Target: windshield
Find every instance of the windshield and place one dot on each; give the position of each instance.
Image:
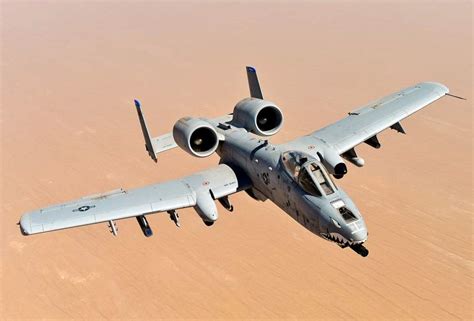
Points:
(322, 179)
(307, 183)
(308, 173)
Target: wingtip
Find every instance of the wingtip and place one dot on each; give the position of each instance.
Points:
(25, 224)
(251, 69)
(439, 86)
(137, 103)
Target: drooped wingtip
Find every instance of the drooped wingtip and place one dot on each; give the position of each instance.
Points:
(25, 224)
(137, 103)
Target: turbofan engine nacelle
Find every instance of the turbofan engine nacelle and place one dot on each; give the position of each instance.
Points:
(334, 163)
(259, 116)
(195, 136)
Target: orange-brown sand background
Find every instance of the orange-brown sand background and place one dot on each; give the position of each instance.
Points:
(70, 72)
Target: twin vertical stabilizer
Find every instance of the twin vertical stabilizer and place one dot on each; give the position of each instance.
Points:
(162, 143)
(254, 86)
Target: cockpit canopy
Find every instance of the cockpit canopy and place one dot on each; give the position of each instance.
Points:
(308, 173)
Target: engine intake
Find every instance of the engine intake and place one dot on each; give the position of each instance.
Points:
(195, 136)
(261, 117)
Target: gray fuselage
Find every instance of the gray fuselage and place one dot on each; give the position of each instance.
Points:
(262, 163)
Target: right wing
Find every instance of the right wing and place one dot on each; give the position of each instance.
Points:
(198, 190)
(364, 123)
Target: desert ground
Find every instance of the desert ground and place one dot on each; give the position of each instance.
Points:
(69, 74)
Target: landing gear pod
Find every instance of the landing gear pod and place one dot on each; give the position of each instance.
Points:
(206, 208)
(146, 229)
(352, 157)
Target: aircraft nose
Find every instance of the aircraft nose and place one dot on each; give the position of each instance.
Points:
(360, 235)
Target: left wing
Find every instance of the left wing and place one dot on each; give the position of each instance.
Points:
(198, 190)
(364, 123)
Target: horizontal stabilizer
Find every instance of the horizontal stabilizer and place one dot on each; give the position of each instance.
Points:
(157, 144)
(163, 143)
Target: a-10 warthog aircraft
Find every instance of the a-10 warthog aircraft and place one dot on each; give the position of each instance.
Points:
(296, 175)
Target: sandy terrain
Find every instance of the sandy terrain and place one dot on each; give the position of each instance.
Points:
(68, 126)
